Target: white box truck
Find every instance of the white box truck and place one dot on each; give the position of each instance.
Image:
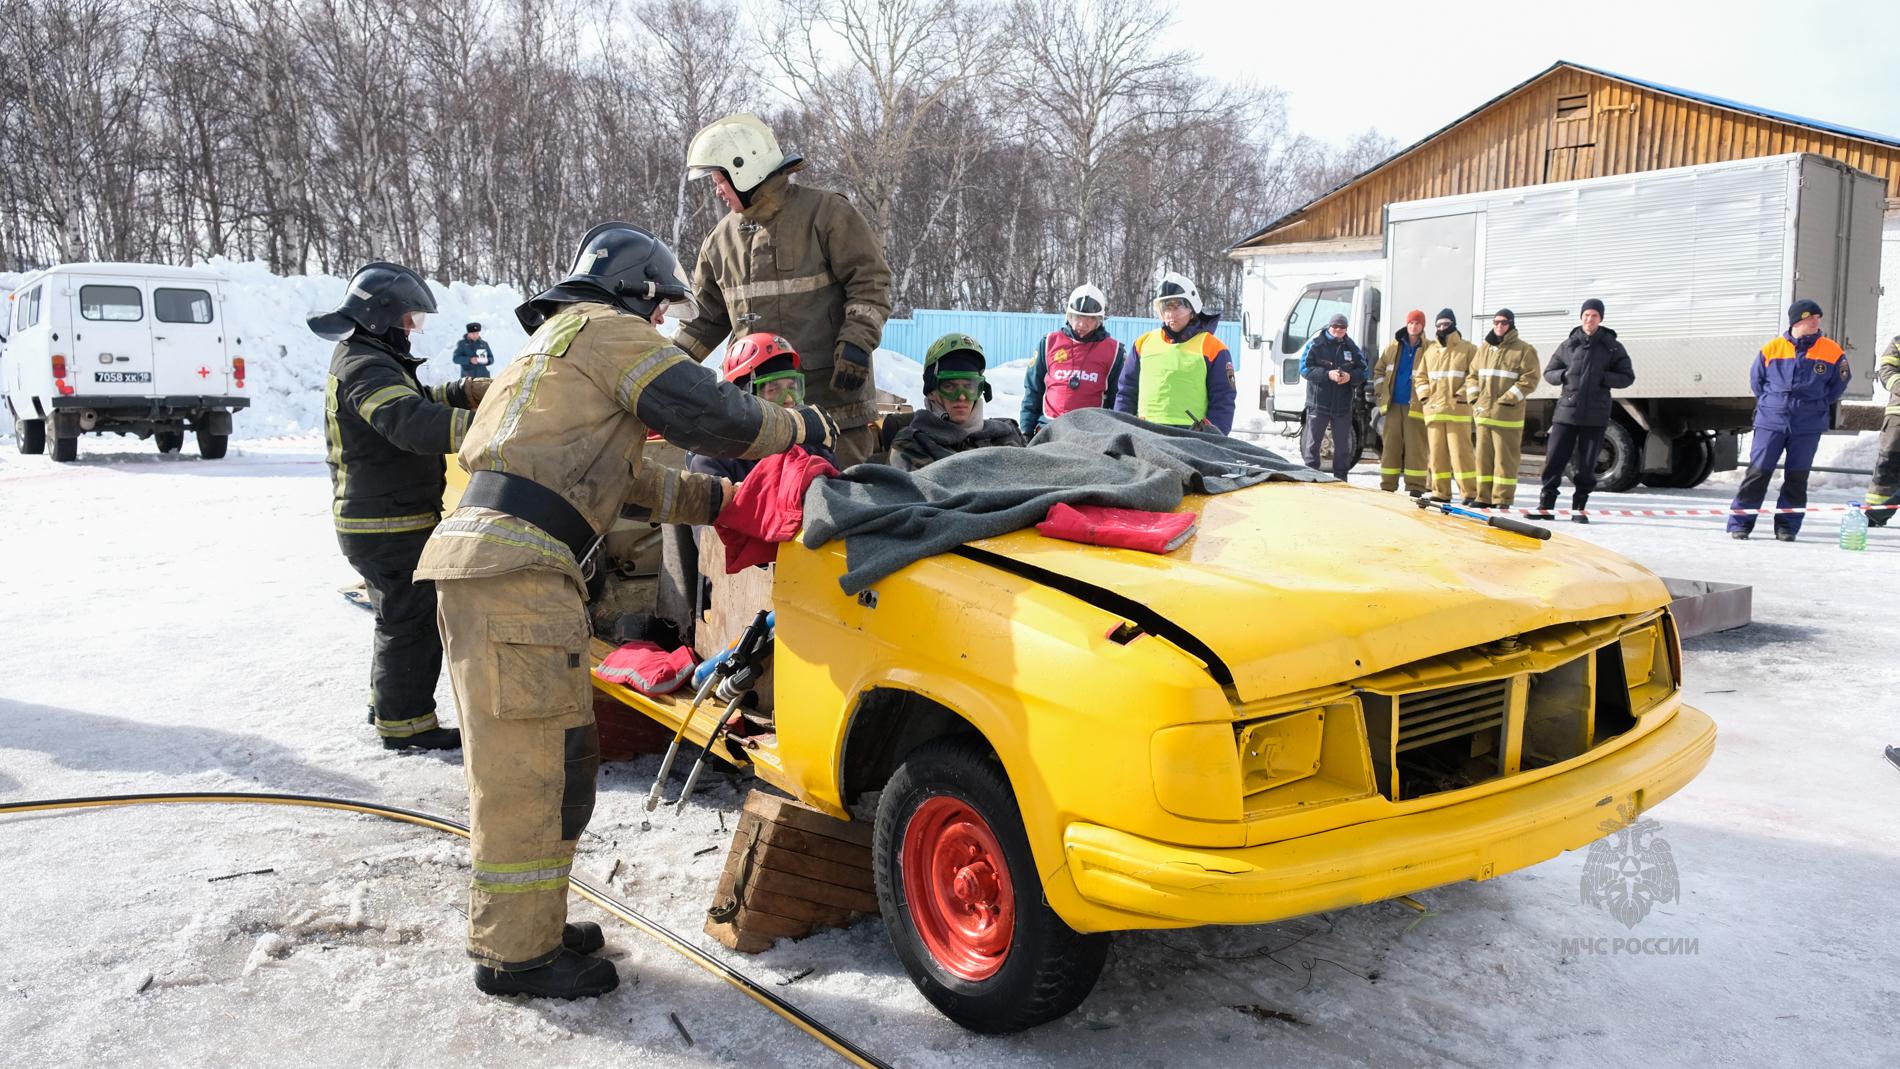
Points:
(1697, 266)
(127, 348)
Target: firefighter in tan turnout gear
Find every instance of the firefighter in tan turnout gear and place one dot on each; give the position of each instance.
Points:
(1438, 388)
(793, 261)
(1503, 374)
(554, 455)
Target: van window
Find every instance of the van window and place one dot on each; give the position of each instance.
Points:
(1311, 312)
(28, 314)
(181, 306)
(112, 304)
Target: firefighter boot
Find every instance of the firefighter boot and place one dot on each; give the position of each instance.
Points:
(582, 937)
(432, 739)
(568, 976)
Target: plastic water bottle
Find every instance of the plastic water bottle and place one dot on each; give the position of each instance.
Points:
(1854, 527)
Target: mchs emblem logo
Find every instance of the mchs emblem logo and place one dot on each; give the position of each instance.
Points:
(1630, 871)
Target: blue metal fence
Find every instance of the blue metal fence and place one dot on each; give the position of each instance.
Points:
(1008, 336)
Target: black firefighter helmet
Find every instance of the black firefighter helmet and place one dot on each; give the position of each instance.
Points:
(618, 263)
(378, 297)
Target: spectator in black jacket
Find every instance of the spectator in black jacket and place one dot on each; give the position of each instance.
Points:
(472, 354)
(1333, 367)
(1588, 365)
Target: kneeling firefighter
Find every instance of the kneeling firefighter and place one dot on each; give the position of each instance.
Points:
(386, 434)
(553, 458)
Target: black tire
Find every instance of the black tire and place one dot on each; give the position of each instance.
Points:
(65, 450)
(1691, 460)
(30, 436)
(1620, 465)
(1046, 968)
(212, 446)
(169, 441)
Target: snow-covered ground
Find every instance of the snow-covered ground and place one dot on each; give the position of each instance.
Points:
(173, 625)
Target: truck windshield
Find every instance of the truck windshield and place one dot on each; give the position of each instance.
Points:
(112, 304)
(1311, 312)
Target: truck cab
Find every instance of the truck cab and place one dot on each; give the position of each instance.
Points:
(137, 349)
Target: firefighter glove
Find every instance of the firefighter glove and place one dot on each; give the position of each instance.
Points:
(474, 390)
(851, 368)
(819, 428)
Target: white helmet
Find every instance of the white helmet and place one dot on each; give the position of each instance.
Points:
(1175, 286)
(739, 145)
(1087, 300)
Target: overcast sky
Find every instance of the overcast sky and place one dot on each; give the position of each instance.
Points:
(1408, 68)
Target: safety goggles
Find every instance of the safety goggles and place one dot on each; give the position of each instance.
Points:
(964, 387)
(784, 388)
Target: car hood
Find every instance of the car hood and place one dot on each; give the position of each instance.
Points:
(1293, 586)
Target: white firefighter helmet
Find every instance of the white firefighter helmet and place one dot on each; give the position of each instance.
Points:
(1087, 300)
(740, 145)
(1176, 286)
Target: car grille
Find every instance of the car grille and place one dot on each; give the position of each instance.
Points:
(1437, 715)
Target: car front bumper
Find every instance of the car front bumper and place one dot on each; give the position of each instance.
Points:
(1128, 879)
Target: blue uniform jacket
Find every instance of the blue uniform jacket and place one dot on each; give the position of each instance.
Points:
(1324, 354)
(1796, 383)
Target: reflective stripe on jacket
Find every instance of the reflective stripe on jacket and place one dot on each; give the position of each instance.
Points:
(1392, 372)
(1503, 374)
(386, 434)
(1438, 380)
(1887, 374)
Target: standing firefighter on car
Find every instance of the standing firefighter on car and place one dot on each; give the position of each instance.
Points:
(554, 458)
(386, 434)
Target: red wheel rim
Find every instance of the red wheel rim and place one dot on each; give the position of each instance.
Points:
(957, 884)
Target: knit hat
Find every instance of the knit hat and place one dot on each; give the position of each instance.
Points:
(1507, 314)
(1591, 305)
(1338, 320)
(1415, 316)
(1446, 313)
(1802, 309)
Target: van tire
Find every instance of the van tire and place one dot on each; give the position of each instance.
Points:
(169, 441)
(1620, 465)
(30, 436)
(957, 787)
(65, 450)
(212, 446)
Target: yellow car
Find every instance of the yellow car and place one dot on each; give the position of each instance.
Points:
(1063, 741)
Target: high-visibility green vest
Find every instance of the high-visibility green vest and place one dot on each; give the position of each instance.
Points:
(1173, 378)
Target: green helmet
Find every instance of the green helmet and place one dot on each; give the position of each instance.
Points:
(955, 356)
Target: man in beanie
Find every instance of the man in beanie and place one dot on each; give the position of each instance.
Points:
(1333, 367)
(472, 354)
(1438, 388)
(1586, 367)
(1796, 379)
(1405, 450)
(1503, 374)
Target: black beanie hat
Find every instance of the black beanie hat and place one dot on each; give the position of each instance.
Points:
(1507, 314)
(1591, 305)
(1446, 313)
(1802, 309)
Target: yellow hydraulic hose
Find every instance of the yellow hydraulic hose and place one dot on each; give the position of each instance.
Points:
(845, 1049)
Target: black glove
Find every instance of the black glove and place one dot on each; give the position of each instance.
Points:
(819, 428)
(851, 368)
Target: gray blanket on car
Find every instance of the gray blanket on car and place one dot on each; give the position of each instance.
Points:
(890, 518)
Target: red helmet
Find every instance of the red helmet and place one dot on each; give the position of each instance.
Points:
(744, 356)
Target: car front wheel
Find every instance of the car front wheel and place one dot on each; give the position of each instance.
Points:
(962, 900)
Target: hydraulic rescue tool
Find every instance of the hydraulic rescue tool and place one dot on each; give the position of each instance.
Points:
(1502, 523)
(742, 669)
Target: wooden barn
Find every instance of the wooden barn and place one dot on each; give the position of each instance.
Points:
(1571, 121)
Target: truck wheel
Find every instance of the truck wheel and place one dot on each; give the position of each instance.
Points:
(65, 450)
(212, 446)
(962, 900)
(169, 441)
(30, 436)
(1620, 464)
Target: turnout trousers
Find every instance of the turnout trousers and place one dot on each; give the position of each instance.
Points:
(406, 653)
(1567, 441)
(1449, 436)
(1885, 489)
(1500, 447)
(1765, 451)
(518, 657)
(1406, 453)
(1313, 435)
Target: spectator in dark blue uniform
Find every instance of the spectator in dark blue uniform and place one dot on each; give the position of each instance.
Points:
(1333, 367)
(1796, 379)
(472, 354)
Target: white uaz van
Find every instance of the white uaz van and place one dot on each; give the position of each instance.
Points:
(129, 348)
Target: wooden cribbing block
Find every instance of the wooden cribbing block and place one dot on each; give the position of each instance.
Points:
(791, 871)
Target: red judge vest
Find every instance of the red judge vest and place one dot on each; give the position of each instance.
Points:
(1075, 374)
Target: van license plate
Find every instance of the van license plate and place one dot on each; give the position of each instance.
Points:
(121, 376)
